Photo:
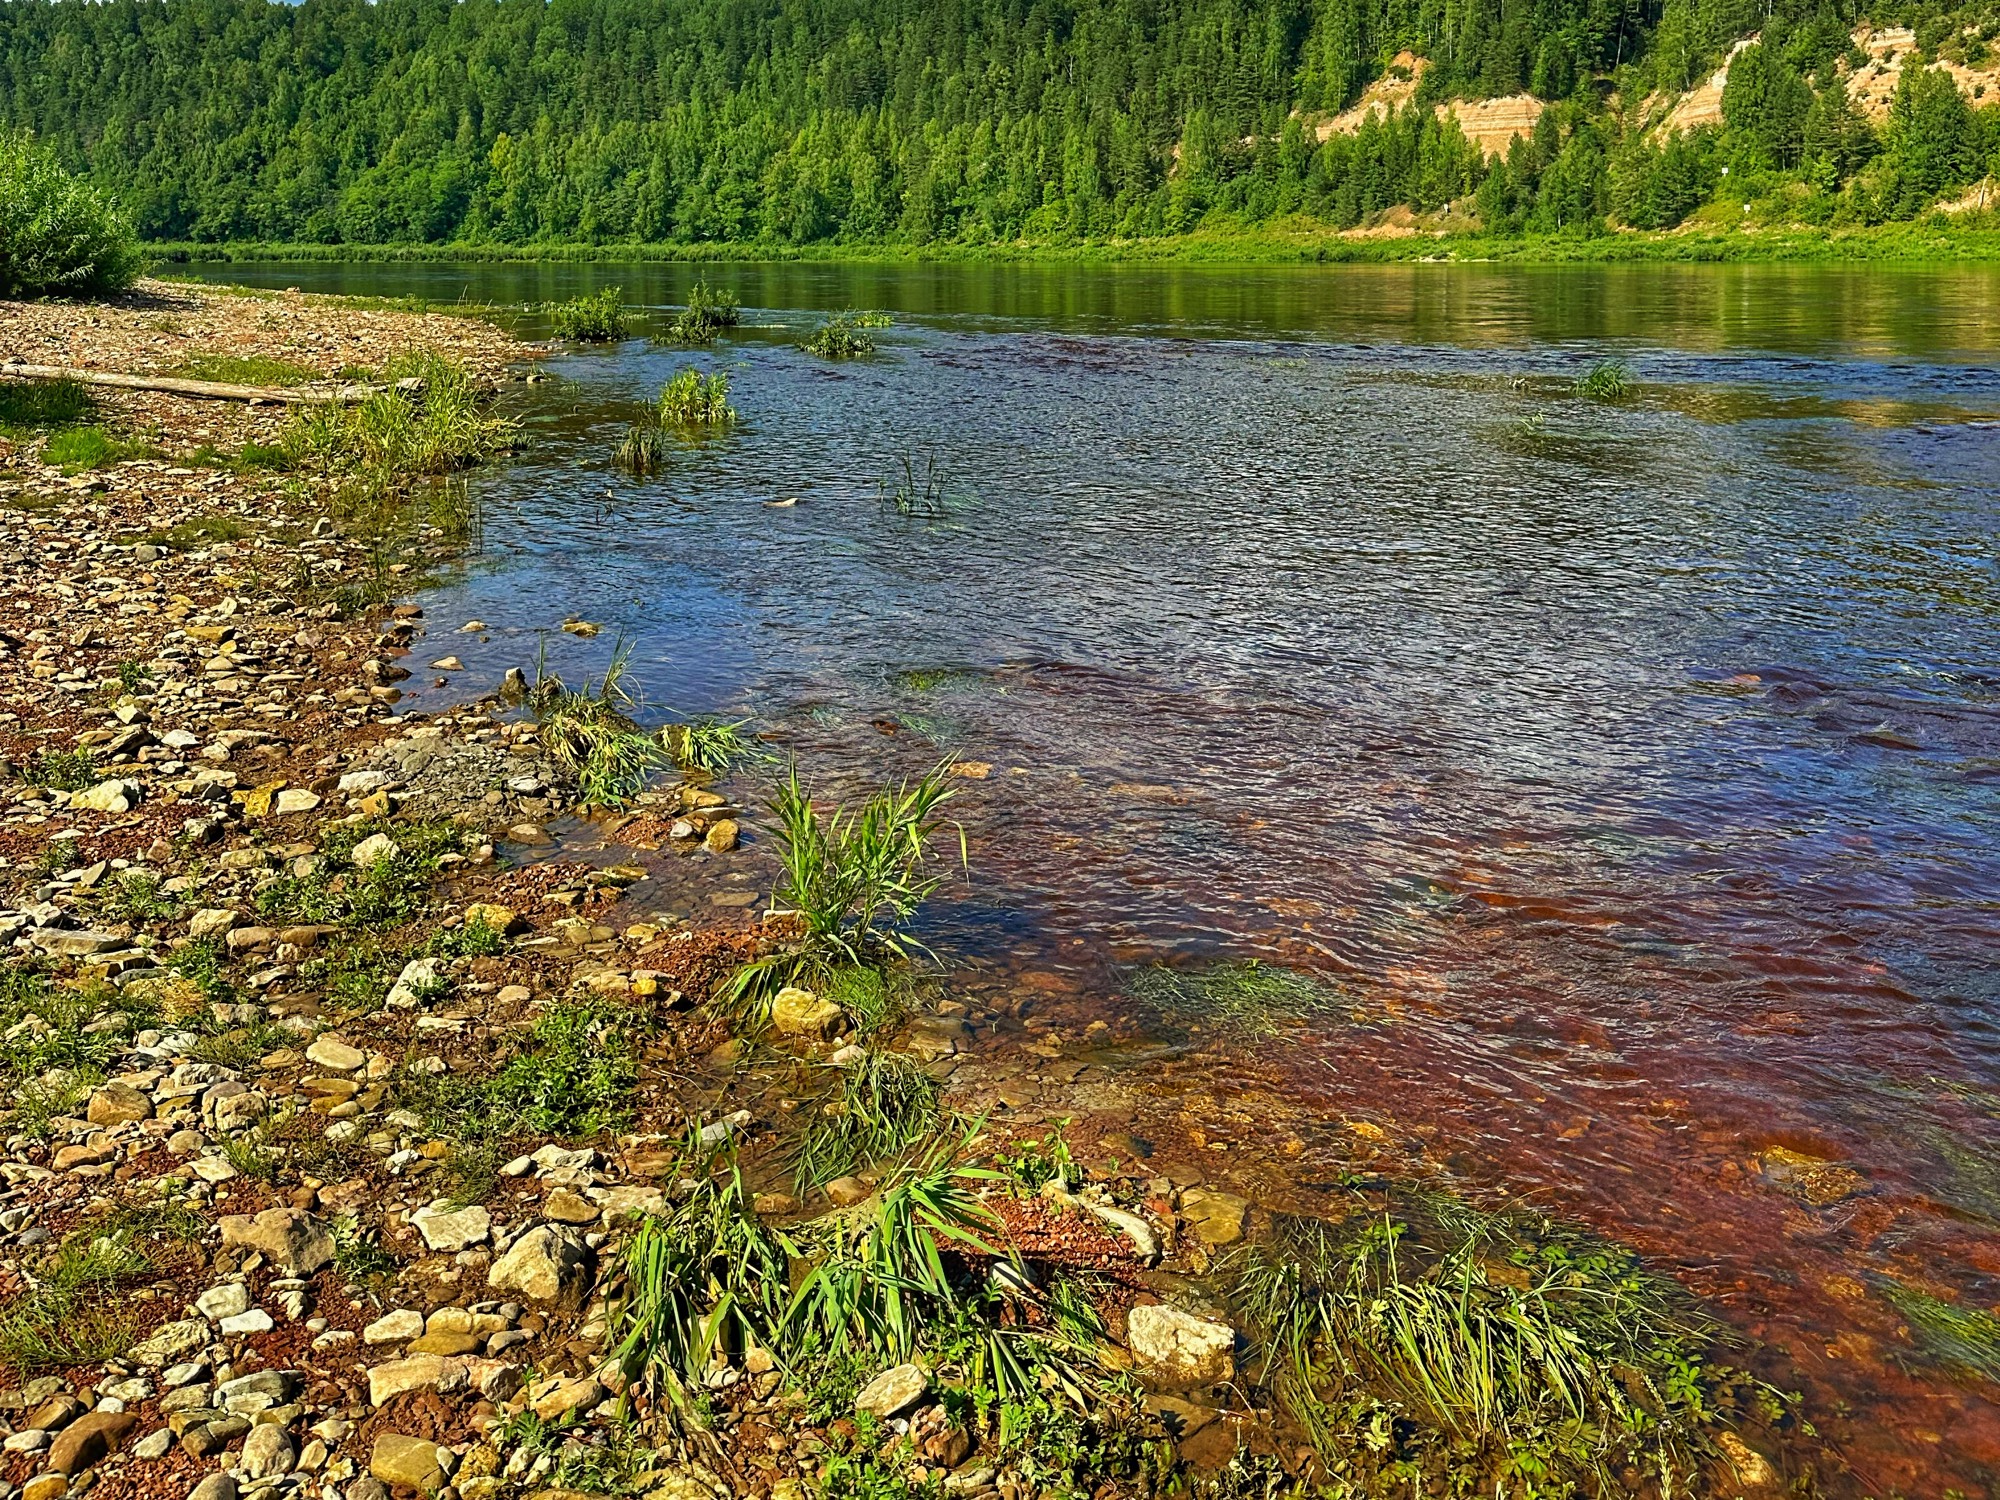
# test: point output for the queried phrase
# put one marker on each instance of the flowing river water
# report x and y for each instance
(1633, 770)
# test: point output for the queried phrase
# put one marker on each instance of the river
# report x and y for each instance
(1631, 768)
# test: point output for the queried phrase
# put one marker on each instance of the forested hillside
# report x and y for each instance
(977, 120)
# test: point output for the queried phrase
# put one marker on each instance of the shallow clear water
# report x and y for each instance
(1639, 763)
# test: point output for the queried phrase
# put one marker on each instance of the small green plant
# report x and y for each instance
(197, 532)
(884, 1104)
(855, 878)
(134, 676)
(917, 498)
(694, 400)
(709, 310)
(590, 731)
(39, 405)
(136, 897)
(474, 939)
(1607, 380)
(706, 744)
(573, 1077)
(358, 1253)
(389, 892)
(596, 318)
(1033, 1165)
(246, 369)
(62, 771)
(845, 335)
(59, 236)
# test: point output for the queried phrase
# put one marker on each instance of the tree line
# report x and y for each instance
(922, 121)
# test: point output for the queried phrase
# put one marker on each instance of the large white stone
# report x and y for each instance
(448, 1231)
(1174, 1348)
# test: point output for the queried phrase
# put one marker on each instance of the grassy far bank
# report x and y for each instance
(1966, 238)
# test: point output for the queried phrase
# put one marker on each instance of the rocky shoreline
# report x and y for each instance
(276, 943)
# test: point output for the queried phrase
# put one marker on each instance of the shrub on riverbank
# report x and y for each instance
(59, 236)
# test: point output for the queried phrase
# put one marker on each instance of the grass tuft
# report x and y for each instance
(1607, 380)
(1532, 1351)
(438, 426)
(884, 1105)
(706, 744)
(855, 877)
(246, 369)
(589, 730)
(642, 451)
(39, 405)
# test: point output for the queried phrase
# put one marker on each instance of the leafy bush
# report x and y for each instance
(595, 318)
(58, 235)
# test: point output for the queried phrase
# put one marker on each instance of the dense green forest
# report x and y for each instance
(964, 121)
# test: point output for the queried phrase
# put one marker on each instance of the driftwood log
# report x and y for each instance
(213, 390)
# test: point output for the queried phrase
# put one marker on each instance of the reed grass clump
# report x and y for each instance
(591, 732)
(430, 419)
(914, 496)
(692, 400)
(1512, 1349)
(709, 310)
(854, 877)
(595, 318)
(1607, 380)
(704, 1279)
(706, 744)
(642, 451)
